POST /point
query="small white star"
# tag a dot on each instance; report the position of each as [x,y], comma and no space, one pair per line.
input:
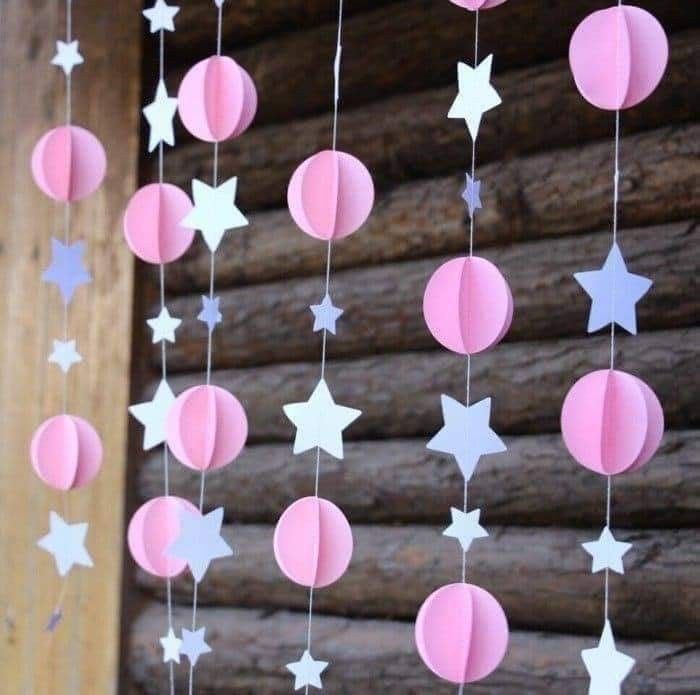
[66,542]
[161,16]
[607,552]
[307,671]
[465,527]
[325,315]
[606,666]
[153,415]
[171,647]
[475,96]
[164,326]
[67,56]
[65,355]
[159,114]
[193,645]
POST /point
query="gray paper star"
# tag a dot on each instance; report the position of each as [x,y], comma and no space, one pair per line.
[465,527]
[210,314]
[325,315]
[65,355]
[67,56]
[472,195]
[193,644]
[53,621]
[66,269]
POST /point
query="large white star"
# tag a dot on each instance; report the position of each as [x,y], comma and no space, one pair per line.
[605,665]
[161,16]
[465,527]
[214,211]
[607,552]
[67,56]
[65,355]
[164,326]
[320,421]
[153,415]
[307,671]
[193,645]
[66,542]
[476,95]
[614,293]
[171,647]
[466,433]
[159,114]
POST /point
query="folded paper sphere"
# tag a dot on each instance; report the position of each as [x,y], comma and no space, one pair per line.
[68,163]
[468,305]
[612,422]
[217,99]
[618,56]
[66,452]
[206,428]
[152,223]
[313,542]
[152,530]
[461,633]
[330,195]
[477,4]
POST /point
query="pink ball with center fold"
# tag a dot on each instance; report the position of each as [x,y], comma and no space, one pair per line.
[477,4]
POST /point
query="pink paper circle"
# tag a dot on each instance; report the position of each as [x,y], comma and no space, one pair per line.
[618,56]
[313,542]
[461,633]
[612,422]
[152,530]
[152,223]
[68,163]
[468,305]
[217,99]
[330,195]
[206,428]
[66,452]
[477,4]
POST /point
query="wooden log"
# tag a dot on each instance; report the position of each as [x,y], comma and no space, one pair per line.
[553,194]
[251,647]
[272,323]
[534,483]
[409,136]
[399,395]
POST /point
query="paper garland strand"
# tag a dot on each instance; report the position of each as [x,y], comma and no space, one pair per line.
[612,422]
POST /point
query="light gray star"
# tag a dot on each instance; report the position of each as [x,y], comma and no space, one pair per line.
[161,16]
[606,666]
[325,315]
[210,314]
[465,527]
[66,269]
[64,354]
[607,552]
[54,620]
[472,195]
[159,114]
[164,326]
[153,415]
[193,645]
[66,542]
[307,671]
[67,56]
[171,647]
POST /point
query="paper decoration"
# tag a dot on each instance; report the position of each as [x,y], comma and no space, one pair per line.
[66,542]
[465,527]
[618,56]
[217,99]
[193,645]
[153,226]
[325,315]
[330,195]
[164,326]
[210,314]
[171,647]
[606,552]
[612,422]
[468,305]
[313,542]
[66,269]
[65,355]
[159,114]
[607,667]
[161,17]
[66,452]
[153,415]
[307,671]
[472,195]
[477,4]
[461,633]
[67,56]
[54,620]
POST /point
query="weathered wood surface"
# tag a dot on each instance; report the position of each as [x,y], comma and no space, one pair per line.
[271,323]
[399,395]
[409,136]
[534,483]
[554,194]
[251,647]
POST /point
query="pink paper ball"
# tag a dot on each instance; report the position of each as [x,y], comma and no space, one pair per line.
[468,305]
[618,56]
[313,542]
[66,452]
[152,223]
[477,4]
[612,422]
[330,195]
[461,633]
[152,530]
[68,163]
[206,428]
[217,99]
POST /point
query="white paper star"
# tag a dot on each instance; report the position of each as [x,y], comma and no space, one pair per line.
[153,415]
[164,326]
[605,665]
[320,421]
[65,355]
[607,552]
[476,95]
[193,644]
[614,293]
[161,16]
[325,315]
[214,211]
[465,527]
[466,433]
[171,647]
[67,56]
[159,114]
[66,542]
[307,671]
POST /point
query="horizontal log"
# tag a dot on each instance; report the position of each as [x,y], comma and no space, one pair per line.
[272,323]
[409,136]
[553,194]
[251,647]
[534,483]
[399,395]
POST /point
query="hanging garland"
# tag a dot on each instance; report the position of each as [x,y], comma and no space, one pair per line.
[611,421]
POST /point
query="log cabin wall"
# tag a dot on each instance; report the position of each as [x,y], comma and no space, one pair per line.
[546,162]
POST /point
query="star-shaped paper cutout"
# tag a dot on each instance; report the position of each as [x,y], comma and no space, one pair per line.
[614,293]
[153,415]
[325,315]
[159,114]
[66,542]
[65,355]
[466,433]
[66,269]
[465,527]
[307,671]
[164,326]
[210,313]
[214,211]
[171,647]
[607,552]
[67,56]
[161,16]
[320,422]
[54,620]
[193,645]
[476,95]
[472,195]
[606,666]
